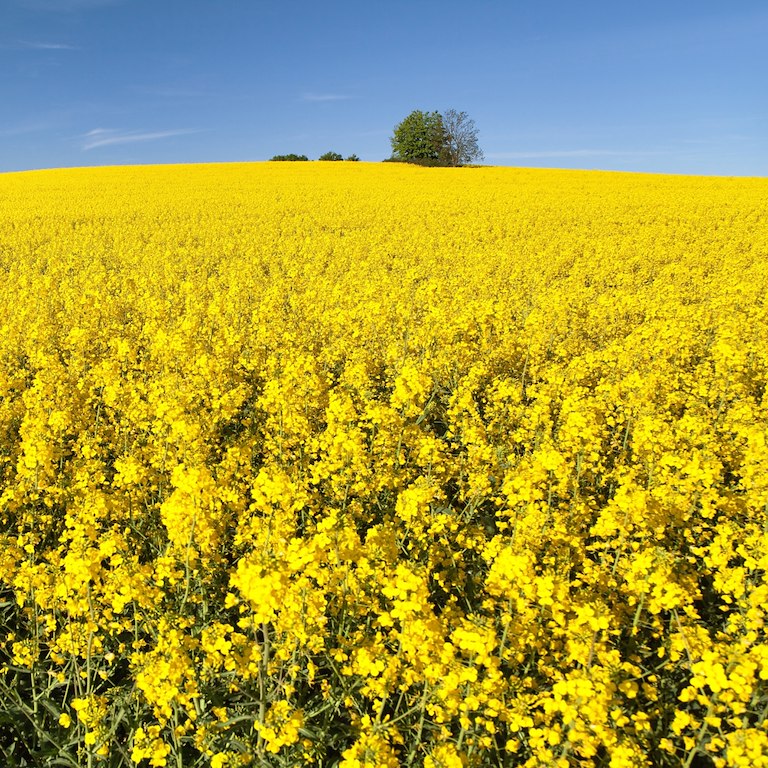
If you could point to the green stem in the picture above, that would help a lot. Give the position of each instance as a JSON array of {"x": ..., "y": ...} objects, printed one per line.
[{"x": 420, "y": 729}]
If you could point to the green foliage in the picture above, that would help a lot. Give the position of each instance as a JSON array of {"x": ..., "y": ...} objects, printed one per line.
[
  {"x": 330, "y": 156},
  {"x": 419, "y": 137},
  {"x": 292, "y": 156},
  {"x": 353, "y": 159},
  {"x": 434, "y": 139}
]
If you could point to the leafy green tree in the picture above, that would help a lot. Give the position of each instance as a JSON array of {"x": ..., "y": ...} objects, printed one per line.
[
  {"x": 419, "y": 138},
  {"x": 292, "y": 156},
  {"x": 431, "y": 138},
  {"x": 330, "y": 156},
  {"x": 353, "y": 158}
]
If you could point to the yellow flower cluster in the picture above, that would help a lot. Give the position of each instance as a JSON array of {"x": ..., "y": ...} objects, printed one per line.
[{"x": 372, "y": 465}]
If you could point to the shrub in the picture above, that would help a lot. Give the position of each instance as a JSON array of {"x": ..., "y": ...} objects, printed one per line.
[{"x": 291, "y": 157}]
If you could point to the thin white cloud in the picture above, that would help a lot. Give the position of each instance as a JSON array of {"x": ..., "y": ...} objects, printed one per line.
[
  {"x": 22, "y": 129},
  {"x": 41, "y": 46},
  {"x": 324, "y": 97},
  {"x": 105, "y": 137},
  {"x": 33, "y": 45},
  {"x": 564, "y": 153}
]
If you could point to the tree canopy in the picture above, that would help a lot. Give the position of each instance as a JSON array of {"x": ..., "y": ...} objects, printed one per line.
[
  {"x": 291, "y": 157},
  {"x": 419, "y": 138},
  {"x": 431, "y": 138}
]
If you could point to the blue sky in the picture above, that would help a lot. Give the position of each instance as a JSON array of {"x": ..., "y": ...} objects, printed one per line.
[{"x": 660, "y": 86}]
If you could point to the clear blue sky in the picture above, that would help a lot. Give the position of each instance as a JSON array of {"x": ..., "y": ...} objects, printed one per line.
[{"x": 661, "y": 85}]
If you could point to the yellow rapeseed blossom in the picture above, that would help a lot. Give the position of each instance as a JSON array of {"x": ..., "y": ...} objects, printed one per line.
[{"x": 378, "y": 465}]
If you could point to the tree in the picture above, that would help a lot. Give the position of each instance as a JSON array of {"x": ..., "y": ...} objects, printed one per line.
[
  {"x": 353, "y": 159},
  {"x": 330, "y": 156},
  {"x": 419, "y": 138},
  {"x": 292, "y": 157},
  {"x": 431, "y": 138},
  {"x": 460, "y": 138}
]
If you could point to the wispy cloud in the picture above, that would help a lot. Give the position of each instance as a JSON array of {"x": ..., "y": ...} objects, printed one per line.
[
  {"x": 23, "y": 129},
  {"x": 105, "y": 137},
  {"x": 564, "y": 153},
  {"x": 324, "y": 97},
  {"x": 35, "y": 45}
]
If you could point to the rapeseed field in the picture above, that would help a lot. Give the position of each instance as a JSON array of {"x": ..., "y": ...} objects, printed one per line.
[{"x": 353, "y": 465}]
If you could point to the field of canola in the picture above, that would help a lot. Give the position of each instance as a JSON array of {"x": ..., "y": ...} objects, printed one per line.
[{"x": 371, "y": 465}]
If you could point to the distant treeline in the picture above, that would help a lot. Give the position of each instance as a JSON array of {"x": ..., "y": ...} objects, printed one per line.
[{"x": 326, "y": 156}]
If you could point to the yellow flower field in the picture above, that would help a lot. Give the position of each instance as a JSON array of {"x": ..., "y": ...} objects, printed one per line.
[{"x": 350, "y": 464}]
